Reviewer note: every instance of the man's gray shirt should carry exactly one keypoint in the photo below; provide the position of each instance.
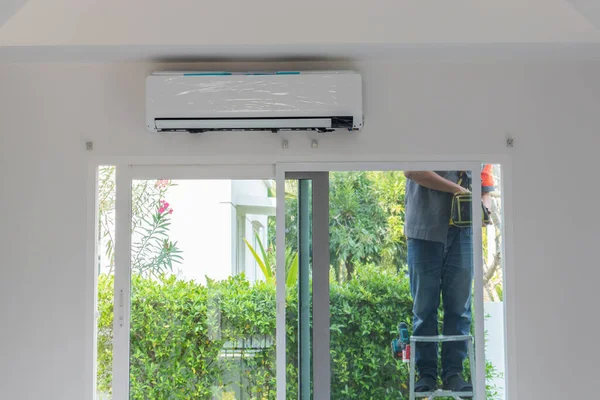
(427, 211)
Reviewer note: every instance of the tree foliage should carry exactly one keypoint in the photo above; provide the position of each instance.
(366, 221)
(356, 223)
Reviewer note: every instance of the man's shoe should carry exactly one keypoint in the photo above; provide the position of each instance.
(426, 383)
(456, 383)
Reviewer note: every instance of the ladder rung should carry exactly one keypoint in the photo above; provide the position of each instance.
(441, 338)
(443, 393)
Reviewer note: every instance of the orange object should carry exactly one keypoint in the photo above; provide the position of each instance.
(487, 178)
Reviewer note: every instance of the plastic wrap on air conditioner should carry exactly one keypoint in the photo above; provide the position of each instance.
(217, 95)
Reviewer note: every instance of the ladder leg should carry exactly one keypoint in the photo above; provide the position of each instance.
(411, 383)
(472, 366)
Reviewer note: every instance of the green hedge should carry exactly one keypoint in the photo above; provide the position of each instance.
(179, 330)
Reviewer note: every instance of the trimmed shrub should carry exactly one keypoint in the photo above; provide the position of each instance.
(364, 315)
(190, 341)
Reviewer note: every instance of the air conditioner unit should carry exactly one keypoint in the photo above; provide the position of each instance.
(273, 101)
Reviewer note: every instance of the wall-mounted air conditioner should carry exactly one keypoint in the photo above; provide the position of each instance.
(223, 101)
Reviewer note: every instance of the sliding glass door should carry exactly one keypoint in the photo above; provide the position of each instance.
(269, 282)
(353, 284)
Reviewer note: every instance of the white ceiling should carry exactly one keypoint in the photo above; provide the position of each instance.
(142, 29)
(8, 8)
(589, 8)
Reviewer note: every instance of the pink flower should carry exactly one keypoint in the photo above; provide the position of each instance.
(164, 207)
(161, 184)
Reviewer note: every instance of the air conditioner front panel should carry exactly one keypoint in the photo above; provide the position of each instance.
(244, 97)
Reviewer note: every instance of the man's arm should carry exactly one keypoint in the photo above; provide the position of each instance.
(486, 199)
(431, 180)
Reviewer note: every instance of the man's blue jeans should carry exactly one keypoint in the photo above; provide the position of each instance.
(436, 269)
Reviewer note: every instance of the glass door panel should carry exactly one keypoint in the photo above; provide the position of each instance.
(396, 259)
(372, 243)
(202, 319)
(298, 287)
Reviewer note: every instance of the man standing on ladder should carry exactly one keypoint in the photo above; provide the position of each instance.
(440, 262)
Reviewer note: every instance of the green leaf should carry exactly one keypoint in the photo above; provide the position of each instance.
(263, 252)
(292, 272)
(266, 272)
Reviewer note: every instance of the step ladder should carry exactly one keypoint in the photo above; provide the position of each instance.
(440, 339)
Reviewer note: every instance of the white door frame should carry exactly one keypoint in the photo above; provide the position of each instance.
(282, 169)
(122, 282)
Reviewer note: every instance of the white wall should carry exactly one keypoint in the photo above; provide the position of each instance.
(202, 226)
(247, 193)
(47, 112)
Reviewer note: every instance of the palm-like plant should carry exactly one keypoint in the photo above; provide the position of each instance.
(267, 265)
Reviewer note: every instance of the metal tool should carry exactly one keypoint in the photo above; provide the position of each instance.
(401, 345)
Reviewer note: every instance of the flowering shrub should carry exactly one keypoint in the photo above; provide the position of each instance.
(152, 253)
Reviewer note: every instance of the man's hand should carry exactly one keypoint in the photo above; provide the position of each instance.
(431, 180)
(461, 190)
(486, 199)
